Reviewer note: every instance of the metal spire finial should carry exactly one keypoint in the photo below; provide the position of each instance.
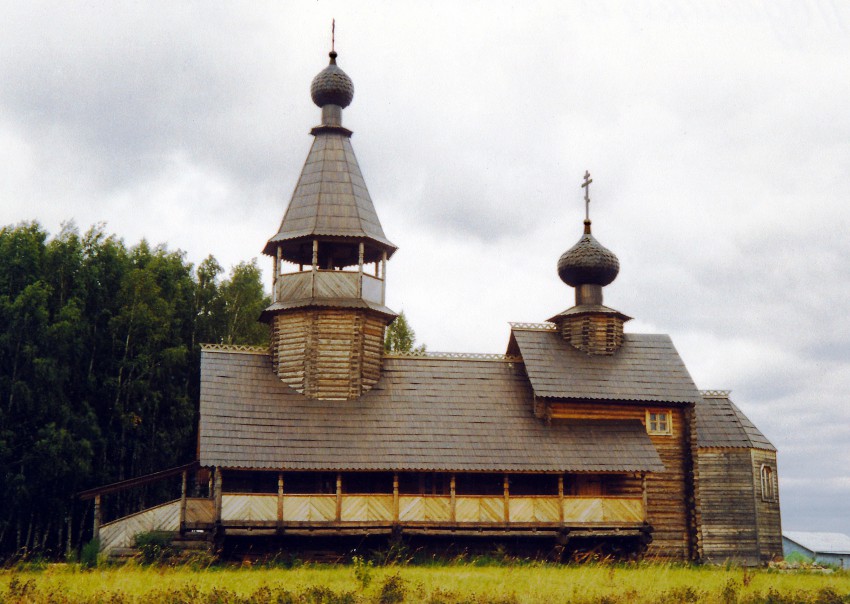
(333, 35)
(586, 187)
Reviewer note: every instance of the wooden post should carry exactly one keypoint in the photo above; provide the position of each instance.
(217, 480)
(276, 273)
(97, 518)
(507, 499)
(338, 497)
(453, 499)
(360, 263)
(315, 267)
(280, 499)
(395, 491)
(384, 277)
(561, 498)
(643, 490)
(183, 485)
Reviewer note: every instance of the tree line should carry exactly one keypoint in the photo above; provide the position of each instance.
(100, 369)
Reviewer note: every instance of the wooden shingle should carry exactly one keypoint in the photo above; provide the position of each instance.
(423, 414)
(646, 368)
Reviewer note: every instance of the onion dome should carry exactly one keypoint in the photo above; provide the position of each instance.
(588, 262)
(332, 86)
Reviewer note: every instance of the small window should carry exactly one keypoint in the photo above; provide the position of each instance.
(768, 483)
(659, 422)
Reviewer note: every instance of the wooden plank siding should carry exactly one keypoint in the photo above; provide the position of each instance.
(767, 512)
(437, 509)
(122, 533)
(200, 511)
(669, 506)
(727, 510)
(239, 510)
(328, 284)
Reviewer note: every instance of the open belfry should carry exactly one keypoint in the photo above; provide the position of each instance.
(581, 438)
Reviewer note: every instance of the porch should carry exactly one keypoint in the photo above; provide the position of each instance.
(456, 512)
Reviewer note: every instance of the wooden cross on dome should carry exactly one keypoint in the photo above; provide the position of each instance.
(586, 187)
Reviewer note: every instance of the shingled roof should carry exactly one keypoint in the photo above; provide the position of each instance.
(423, 414)
(720, 423)
(646, 368)
(331, 198)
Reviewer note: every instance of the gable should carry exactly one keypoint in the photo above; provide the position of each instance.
(646, 368)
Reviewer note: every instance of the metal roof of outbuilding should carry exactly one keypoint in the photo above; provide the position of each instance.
(820, 543)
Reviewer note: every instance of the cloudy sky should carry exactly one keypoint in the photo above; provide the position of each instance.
(717, 134)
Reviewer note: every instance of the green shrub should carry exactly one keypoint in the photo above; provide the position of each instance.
(89, 554)
(393, 590)
(154, 547)
(362, 571)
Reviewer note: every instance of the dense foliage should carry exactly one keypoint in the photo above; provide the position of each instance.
(99, 369)
(400, 337)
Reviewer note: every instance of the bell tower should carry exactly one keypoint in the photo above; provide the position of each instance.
(330, 253)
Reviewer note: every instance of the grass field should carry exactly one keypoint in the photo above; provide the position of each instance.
(438, 584)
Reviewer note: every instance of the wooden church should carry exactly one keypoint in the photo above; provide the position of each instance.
(581, 434)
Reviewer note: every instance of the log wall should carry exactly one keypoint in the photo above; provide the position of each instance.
(670, 506)
(328, 353)
(767, 512)
(727, 506)
(594, 334)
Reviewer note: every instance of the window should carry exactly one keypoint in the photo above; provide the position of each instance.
(768, 483)
(659, 422)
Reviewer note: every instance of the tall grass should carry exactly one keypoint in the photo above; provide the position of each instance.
(436, 584)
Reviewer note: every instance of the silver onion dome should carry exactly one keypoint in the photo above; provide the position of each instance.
(588, 262)
(332, 86)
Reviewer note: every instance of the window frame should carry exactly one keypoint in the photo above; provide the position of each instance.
(769, 490)
(654, 421)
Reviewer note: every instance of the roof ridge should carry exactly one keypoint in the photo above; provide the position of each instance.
(469, 356)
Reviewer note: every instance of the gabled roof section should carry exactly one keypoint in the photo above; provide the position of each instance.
(721, 424)
(429, 414)
(646, 368)
(820, 543)
(331, 199)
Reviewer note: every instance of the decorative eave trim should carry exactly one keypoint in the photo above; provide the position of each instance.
(534, 326)
(550, 469)
(715, 393)
(235, 348)
(283, 238)
(465, 356)
(749, 447)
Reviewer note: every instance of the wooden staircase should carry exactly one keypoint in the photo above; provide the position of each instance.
(117, 539)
